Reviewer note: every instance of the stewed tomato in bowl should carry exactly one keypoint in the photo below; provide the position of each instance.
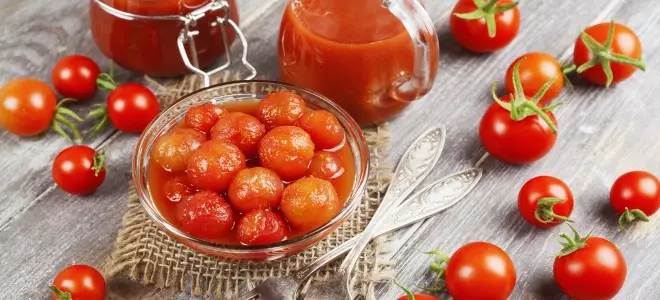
(251, 170)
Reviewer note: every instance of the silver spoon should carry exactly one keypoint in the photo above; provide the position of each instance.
(434, 198)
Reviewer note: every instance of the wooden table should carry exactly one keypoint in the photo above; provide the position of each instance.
(603, 133)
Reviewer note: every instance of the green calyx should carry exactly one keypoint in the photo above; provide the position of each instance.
(409, 294)
(439, 265)
(604, 56)
(66, 118)
(106, 81)
(61, 295)
(99, 162)
(487, 10)
(100, 113)
(630, 216)
(544, 212)
(572, 244)
(521, 107)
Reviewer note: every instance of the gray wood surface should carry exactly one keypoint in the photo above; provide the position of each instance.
(603, 133)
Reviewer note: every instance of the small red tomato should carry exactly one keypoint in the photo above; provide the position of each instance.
(323, 127)
(255, 188)
(287, 150)
(545, 201)
(635, 196)
(173, 149)
(309, 203)
(131, 107)
(203, 117)
(326, 165)
(261, 227)
(78, 282)
(621, 57)
(27, 107)
(177, 188)
(589, 268)
(537, 69)
(240, 129)
(205, 215)
(79, 170)
(213, 165)
(469, 27)
(74, 77)
(418, 297)
(480, 270)
(280, 109)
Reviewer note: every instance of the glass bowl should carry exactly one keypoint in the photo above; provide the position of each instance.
(237, 92)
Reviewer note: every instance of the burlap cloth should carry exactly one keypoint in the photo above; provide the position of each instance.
(146, 254)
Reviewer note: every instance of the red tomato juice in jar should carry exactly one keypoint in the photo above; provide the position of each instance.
(149, 46)
(353, 52)
(157, 177)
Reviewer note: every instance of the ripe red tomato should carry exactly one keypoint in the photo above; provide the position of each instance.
(537, 69)
(545, 201)
(79, 282)
(602, 62)
(480, 270)
(589, 268)
(131, 107)
(485, 28)
(636, 196)
(27, 106)
(418, 297)
(516, 142)
(79, 170)
(75, 77)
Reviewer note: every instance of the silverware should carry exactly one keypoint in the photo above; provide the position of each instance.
(433, 199)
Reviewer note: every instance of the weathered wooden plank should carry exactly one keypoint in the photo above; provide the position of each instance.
(603, 133)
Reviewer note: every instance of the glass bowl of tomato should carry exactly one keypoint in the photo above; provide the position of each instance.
(251, 170)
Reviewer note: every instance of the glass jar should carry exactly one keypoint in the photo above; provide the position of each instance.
(143, 35)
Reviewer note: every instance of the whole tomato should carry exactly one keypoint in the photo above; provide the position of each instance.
(79, 170)
(484, 26)
(78, 282)
(131, 107)
(75, 77)
(636, 196)
(589, 268)
(536, 70)
(608, 53)
(545, 201)
(27, 106)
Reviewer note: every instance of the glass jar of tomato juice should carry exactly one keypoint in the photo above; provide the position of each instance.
(158, 37)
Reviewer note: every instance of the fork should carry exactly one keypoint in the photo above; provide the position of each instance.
(434, 198)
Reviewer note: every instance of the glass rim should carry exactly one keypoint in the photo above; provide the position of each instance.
(353, 132)
(136, 17)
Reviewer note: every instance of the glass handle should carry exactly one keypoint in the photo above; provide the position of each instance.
(425, 48)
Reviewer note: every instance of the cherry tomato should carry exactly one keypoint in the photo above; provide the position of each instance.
(636, 196)
(516, 142)
(79, 282)
(205, 215)
(323, 127)
(287, 150)
(261, 227)
(589, 268)
(75, 77)
(173, 149)
(622, 56)
(545, 201)
(536, 69)
(480, 270)
(27, 107)
(280, 109)
(203, 117)
(326, 165)
(469, 27)
(418, 297)
(79, 170)
(214, 164)
(131, 107)
(177, 188)
(240, 129)
(255, 188)
(309, 203)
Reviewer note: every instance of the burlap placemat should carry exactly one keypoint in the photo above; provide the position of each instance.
(146, 254)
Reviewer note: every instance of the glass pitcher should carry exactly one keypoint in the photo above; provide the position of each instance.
(372, 57)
